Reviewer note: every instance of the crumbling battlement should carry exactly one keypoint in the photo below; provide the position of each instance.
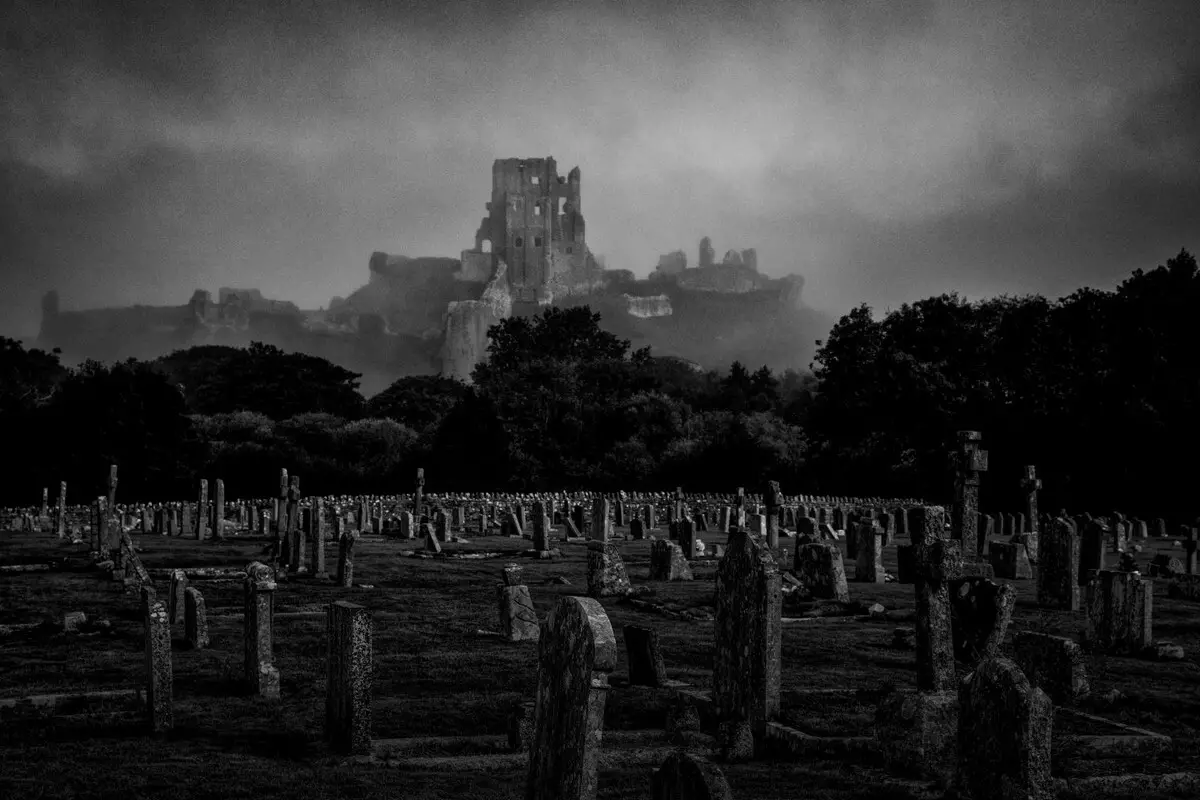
(534, 225)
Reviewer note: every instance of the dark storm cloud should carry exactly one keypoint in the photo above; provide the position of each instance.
(886, 151)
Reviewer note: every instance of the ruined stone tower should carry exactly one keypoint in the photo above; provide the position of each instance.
(534, 225)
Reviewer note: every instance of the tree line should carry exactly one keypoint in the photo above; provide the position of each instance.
(1099, 389)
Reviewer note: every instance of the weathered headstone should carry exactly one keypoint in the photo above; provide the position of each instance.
(1056, 664)
(964, 519)
(668, 562)
(316, 535)
(175, 600)
(637, 529)
(345, 568)
(746, 659)
(518, 618)
(606, 574)
(868, 566)
(1058, 567)
(1004, 729)
(262, 678)
(195, 619)
(348, 691)
(819, 568)
(601, 523)
(576, 651)
(1120, 608)
(980, 615)
(159, 678)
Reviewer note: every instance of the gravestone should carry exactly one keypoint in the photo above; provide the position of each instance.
(316, 535)
(1093, 550)
(175, 600)
(868, 566)
(576, 651)
(159, 678)
(1056, 664)
(1120, 608)
(601, 524)
(345, 568)
(772, 499)
(668, 562)
(349, 684)
(262, 678)
(819, 568)
(646, 666)
(541, 528)
(518, 618)
(980, 615)
(687, 776)
(606, 574)
(195, 619)
(964, 518)
(1058, 567)
(746, 658)
(1004, 729)
(637, 528)
(687, 538)
(1010, 561)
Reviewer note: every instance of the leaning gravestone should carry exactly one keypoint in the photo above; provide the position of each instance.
(518, 618)
(576, 651)
(746, 659)
(685, 776)
(668, 563)
(1004, 728)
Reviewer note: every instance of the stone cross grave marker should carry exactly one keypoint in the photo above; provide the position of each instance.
(964, 519)
(937, 561)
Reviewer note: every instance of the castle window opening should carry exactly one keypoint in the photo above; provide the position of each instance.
(561, 201)
(519, 242)
(486, 246)
(568, 249)
(537, 209)
(536, 180)
(537, 241)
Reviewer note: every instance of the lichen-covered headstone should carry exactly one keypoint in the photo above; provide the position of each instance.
(576, 651)
(668, 562)
(1120, 611)
(746, 658)
(1004, 729)
(1056, 664)
(262, 677)
(686, 776)
(348, 689)
(345, 570)
(819, 568)
(1058, 567)
(518, 618)
(606, 574)
(175, 599)
(159, 677)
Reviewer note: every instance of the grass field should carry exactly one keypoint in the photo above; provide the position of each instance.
(436, 675)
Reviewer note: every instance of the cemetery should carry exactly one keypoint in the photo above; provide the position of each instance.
(755, 644)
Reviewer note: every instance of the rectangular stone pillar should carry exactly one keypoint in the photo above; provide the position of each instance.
(262, 678)
(159, 701)
(317, 536)
(219, 511)
(348, 690)
(195, 619)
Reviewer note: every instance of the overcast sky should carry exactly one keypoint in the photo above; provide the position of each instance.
(884, 150)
